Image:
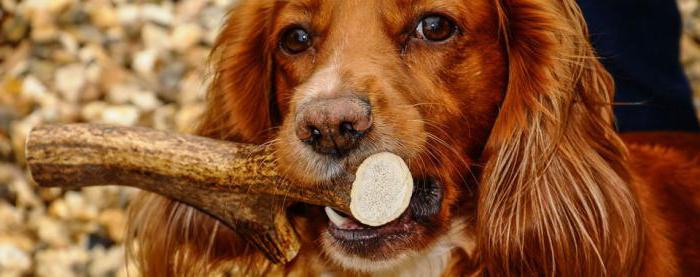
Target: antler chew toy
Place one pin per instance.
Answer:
(237, 183)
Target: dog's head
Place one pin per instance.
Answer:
(498, 107)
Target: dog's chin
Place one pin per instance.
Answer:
(359, 247)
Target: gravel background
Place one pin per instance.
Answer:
(118, 62)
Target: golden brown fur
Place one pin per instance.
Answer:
(513, 115)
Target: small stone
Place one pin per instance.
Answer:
(92, 112)
(67, 261)
(70, 80)
(59, 209)
(91, 92)
(121, 93)
(43, 70)
(5, 150)
(112, 75)
(192, 89)
(88, 34)
(108, 262)
(50, 194)
(78, 208)
(169, 78)
(145, 100)
(33, 89)
(73, 15)
(115, 222)
(13, 261)
(93, 53)
(145, 61)
(25, 197)
(197, 57)
(58, 5)
(19, 237)
(15, 29)
(187, 118)
(104, 16)
(50, 230)
(160, 14)
(69, 43)
(43, 27)
(164, 118)
(188, 10)
(185, 36)
(124, 115)
(10, 217)
(128, 14)
(155, 37)
(9, 5)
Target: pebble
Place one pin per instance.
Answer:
(160, 14)
(155, 38)
(70, 80)
(109, 262)
(13, 261)
(15, 29)
(186, 36)
(164, 117)
(43, 29)
(128, 14)
(92, 112)
(146, 101)
(186, 118)
(145, 61)
(50, 231)
(123, 115)
(65, 261)
(33, 88)
(104, 16)
(115, 222)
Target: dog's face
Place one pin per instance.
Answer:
(499, 107)
(421, 79)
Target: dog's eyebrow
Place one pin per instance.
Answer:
(308, 7)
(406, 3)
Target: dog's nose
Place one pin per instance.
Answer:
(333, 126)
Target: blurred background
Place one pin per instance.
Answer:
(124, 62)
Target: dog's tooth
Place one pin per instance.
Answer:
(337, 219)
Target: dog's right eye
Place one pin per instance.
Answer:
(435, 28)
(295, 40)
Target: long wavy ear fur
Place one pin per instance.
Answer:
(168, 238)
(554, 198)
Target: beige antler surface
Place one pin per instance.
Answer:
(237, 183)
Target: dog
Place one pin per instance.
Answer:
(500, 109)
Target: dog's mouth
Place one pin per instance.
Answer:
(355, 238)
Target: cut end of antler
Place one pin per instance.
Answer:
(382, 189)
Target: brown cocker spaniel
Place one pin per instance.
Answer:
(502, 112)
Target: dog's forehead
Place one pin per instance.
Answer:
(391, 15)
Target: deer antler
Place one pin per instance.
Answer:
(237, 183)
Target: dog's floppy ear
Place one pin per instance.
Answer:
(554, 197)
(240, 96)
(168, 238)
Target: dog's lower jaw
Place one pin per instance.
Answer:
(431, 261)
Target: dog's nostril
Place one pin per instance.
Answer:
(347, 128)
(315, 132)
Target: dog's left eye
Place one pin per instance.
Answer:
(435, 28)
(295, 40)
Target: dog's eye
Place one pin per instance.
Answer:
(295, 40)
(435, 28)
